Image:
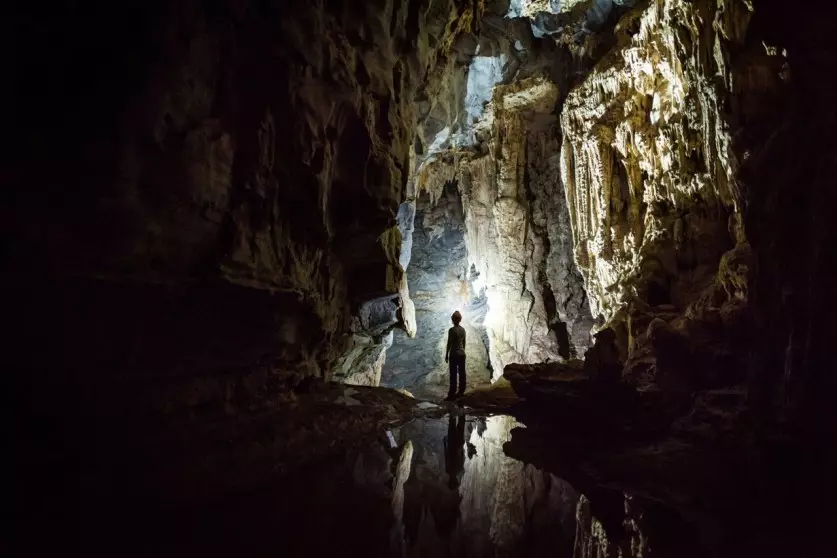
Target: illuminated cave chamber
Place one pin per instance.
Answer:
(233, 222)
(492, 134)
(441, 282)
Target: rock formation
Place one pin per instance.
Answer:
(441, 282)
(227, 197)
(518, 237)
(648, 159)
(216, 209)
(503, 157)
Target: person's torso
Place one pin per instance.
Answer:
(457, 334)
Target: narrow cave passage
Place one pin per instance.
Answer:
(441, 282)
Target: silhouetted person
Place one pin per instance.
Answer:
(455, 449)
(455, 354)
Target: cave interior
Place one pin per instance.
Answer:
(237, 231)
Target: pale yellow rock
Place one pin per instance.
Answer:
(644, 138)
(408, 308)
(501, 246)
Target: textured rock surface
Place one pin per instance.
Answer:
(441, 283)
(518, 234)
(233, 185)
(649, 156)
(498, 144)
(201, 216)
(364, 362)
(681, 115)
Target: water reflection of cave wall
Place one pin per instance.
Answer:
(509, 508)
(466, 498)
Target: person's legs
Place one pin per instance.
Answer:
(461, 373)
(452, 374)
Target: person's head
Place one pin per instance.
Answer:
(456, 318)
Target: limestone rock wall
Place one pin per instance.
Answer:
(441, 283)
(648, 156)
(518, 232)
(654, 137)
(498, 144)
(503, 154)
(686, 143)
(246, 159)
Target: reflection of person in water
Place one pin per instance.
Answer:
(455, 449)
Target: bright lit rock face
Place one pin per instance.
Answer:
(518, 234)
(482, 138)
(441, 283)
(518, 238)
(653, 138)
(363, 363)
(648, 160)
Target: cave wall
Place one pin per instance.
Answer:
(441, 282)
(504, 158)
(202, 213)
(518, 233)
(648, 153)
(509, 246)
(211, 181)
(696, 159)
(655, 139)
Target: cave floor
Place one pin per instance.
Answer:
(372, 472)
(439, 484)
(434, 486)
(434, 386)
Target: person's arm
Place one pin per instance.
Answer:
(447, 349)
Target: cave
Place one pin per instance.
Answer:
(236, 232)
(442, 281)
